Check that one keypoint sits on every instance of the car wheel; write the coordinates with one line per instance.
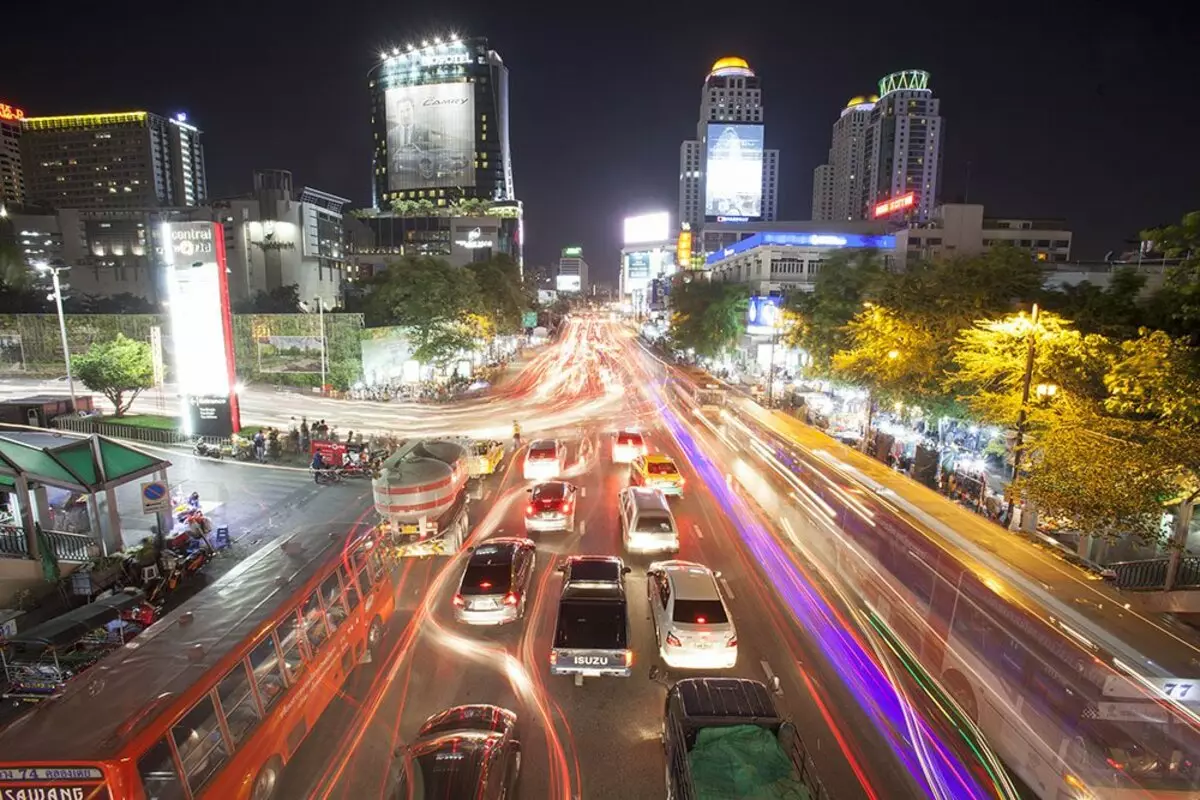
(514, 774)
(374, 637)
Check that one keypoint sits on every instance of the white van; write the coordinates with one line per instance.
(647, 524)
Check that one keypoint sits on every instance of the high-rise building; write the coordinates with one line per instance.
(903, 147)
(841, 179)
(572, 272)
(130, 159)
(12, 180)
(439, 119)
(725, 173)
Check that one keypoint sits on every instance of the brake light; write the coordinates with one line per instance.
(732, 641)
(673, 640)
(529, 509)
(510, 599)
(629, 658)
(701, 620)
(485, 584)
(459, 602)
(567, 507)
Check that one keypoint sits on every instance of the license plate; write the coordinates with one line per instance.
(703, 645)
(484, 605)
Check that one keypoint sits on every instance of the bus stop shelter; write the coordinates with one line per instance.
(31, 460)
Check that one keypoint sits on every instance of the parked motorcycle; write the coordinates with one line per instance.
(205, 450)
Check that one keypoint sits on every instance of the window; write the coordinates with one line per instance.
(200, 744)
(160, 778)
(351, 587)
(314, 621)
(331, 596)
(289, 646)
(238, 704)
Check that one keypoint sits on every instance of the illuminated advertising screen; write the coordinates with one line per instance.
(637, 265)
(763, 316)
(201, 326)
(733, 186)
(430, 135)
(569, 283)
(654, 227)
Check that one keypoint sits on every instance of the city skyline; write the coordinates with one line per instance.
(1031, 131)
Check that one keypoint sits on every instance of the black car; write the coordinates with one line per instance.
(466, 751)
(595, 571)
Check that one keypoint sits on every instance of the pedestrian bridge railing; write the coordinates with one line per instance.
(1150, 575)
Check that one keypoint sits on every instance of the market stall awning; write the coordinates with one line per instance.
(86, 464)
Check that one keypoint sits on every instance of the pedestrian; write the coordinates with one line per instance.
(304, 435)
(260, 446)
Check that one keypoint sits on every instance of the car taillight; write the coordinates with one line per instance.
(553, 658)
(732, 641)
(485, 584)
(628, 658)
(459, 602)
(701, 620)
(510, 599)
(681, 480)
(673, 640)
(566, 507)
(529, 509)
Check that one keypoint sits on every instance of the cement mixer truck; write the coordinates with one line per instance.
(421, 498)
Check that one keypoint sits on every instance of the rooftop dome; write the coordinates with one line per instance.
(730, 66)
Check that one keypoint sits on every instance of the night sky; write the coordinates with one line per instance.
(1084, 112)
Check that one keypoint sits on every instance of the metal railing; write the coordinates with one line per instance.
(1150, 575)
(67, 546)
(115, 430)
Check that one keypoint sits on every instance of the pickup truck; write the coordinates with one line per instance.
(724, 737)
(591, 633)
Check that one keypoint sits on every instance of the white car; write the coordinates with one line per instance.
(691, 622)
(627, 445)
(545, 460)
(647, 524)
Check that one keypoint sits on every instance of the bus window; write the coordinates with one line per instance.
(288, 632)
(201, 746)
(160, 777)
(314, 620)
(264, 661)
(238, 703)
(351, 587)
(364, 578)
(331, 596)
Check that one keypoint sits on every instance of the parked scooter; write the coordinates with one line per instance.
(205, 450)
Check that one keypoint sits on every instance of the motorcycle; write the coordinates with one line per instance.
(327, 477)
(356, 470)
(205, 450)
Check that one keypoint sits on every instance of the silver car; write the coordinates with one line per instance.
(494, 588)
(551, 507)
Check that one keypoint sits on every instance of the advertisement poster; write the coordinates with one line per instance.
(430, 135)
(763, 316)
(569, 283)
(387, 357)
(201, 326)
(735, 166)
(638, 264)
(289, 353)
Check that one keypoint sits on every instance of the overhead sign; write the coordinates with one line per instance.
(895, 204)
(155, 497)
(572, 252)
(528, 319)
(11, 113)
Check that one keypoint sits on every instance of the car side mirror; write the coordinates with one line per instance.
(716, 574)
(626, 570)
(471, 549)
(529, 490)
(402, 749)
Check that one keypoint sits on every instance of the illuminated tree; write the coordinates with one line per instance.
(708, 317)
(894, 357)
(119, 369)
(821, 316)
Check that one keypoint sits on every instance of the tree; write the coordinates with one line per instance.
(1177, 303)
(1113, 310)
(501, 294)
(119, 369)
(280, 300)
(846, 278)
(708, 317)
(429, 297)
(893, 356)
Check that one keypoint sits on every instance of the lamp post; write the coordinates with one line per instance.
(1049, 390)
(321, 317)
(62, 324)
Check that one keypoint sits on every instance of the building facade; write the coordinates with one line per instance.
(726, 172)
(572, 276)
(841, 179)
(822, 202)
(12, 178)
(460, 239)
(439, 122)
(958, 229)
(788, 261)
(128, 160)
(902, 147)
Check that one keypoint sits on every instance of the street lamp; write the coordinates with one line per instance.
(1044, 391)
(321, 315)
(43, 267)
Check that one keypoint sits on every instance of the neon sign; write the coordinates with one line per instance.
(683, 249)
(11, 113)
(895, 204)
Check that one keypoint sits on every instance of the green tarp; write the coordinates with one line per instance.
(743, 761)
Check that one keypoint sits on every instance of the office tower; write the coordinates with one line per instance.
(572, 272)
(903, 147)
(12, 180)
(822, 202)
(439, 120)
(725, 173)
(131, 159)
(841, 179)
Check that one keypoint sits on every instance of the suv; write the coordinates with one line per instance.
(468, 750)
(495, 584)
(647, 524)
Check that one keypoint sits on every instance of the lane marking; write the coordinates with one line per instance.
(699, 532)
(728, 591)
(583, 527)
(583, 491)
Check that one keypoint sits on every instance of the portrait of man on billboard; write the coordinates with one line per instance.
(430, 135)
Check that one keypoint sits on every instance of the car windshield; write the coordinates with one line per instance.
(652, 523)
(699, 612)
(661, 468)
(549, 492)
(631, 439)
(487, 579)
(591, 625)
(595, 572)
(542, 450)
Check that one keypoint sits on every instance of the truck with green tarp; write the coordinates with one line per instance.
(724, 738)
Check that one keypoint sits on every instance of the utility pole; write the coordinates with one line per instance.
(1026, 386)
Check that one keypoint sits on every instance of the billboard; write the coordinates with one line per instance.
(637, 265)
(763, 316)
(733, 186)
(891, 206)
(430, 135)
(648, 228)
(201, 326)
(569, 283)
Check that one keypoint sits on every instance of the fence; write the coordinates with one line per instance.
(116, 430)
(67, 546)
(1150, 575)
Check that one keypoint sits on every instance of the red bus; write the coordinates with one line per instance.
(1079, 703)
(214, 699)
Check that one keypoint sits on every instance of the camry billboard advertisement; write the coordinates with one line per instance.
(430, 135)
(733, 187)
(201, 326)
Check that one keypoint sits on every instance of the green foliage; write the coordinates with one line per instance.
(501, 295)
(895, 357)
(1156, 378)
(708, 316)
(820, 317)
(462, 207)
(281, 300)
(1113, 311)
(119, 369)
(1175, 307)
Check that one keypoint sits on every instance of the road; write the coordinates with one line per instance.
(601, 739)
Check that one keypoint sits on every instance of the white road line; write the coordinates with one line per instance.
(728, 590)
(583, 527)
(487, 494)
(699, 532)
(583, 491)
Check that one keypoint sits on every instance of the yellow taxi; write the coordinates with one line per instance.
(656, 471)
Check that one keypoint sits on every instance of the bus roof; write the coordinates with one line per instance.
(130, 687)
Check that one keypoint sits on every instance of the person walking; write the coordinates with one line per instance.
(260, 446)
